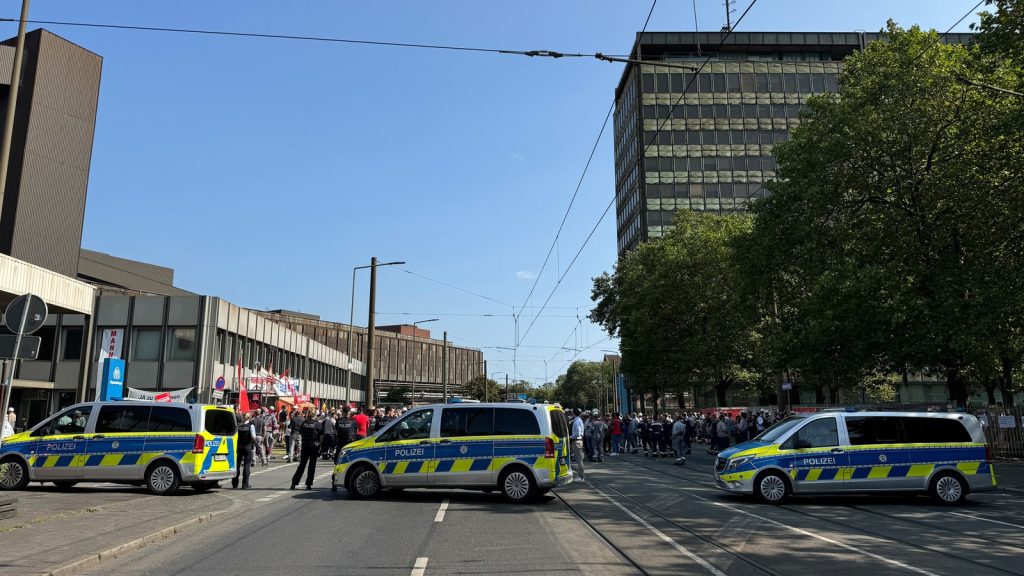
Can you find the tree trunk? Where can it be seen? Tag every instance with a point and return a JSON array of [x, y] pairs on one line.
[[957, 387], [720, 388], [819, 393], [990, 389], [1006, 380]]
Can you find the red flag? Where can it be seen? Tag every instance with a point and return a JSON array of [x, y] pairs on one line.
[[243, 396], [316, 402]]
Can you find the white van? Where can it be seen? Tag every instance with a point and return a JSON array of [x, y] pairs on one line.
[[160, 444], [942, 454], [521, 450]]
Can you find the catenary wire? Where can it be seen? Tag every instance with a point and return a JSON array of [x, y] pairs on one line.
[[307, 38], [640, 158]]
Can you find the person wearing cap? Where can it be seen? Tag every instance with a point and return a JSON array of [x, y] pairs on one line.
[[11, 417], [576, 437]]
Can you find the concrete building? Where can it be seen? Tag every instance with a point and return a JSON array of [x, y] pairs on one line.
[[713, 149]]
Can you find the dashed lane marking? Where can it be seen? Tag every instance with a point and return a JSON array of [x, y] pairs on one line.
[[420, 567], [270, 497], [439, 517]]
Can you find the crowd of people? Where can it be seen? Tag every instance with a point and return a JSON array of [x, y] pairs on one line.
[[595, 435], [305, 435]]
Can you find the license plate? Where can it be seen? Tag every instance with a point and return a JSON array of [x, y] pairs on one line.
[[220, 457]]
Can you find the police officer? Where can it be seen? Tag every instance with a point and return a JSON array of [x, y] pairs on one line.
[[310, 431], [576, 436], [244, 450]]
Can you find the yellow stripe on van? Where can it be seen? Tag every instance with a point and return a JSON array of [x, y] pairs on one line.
[[845, 473], [969, 468], [462, 465], [920, 470], [813, 474], [400, 467], [497, 463], [879, 472], [111, 460], [50, 461]]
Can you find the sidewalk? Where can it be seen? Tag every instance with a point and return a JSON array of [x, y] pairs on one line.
[[56, 528]]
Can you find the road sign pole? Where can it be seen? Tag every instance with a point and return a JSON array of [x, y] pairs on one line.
[[14, 363]]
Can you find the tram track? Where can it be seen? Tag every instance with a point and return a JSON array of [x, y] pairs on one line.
[[618, 550], [862, 530]]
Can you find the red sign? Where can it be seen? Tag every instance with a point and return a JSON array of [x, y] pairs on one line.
[[162, 397], [302, 398]]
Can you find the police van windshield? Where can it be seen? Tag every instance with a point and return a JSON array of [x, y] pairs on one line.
[[772, 434]]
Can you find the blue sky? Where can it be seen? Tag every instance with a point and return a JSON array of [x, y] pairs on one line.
[[263, 170]]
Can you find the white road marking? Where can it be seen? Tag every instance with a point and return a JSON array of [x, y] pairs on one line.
[[826, 539], [987, 520], [420, 567], [439, 517], [679, 547]]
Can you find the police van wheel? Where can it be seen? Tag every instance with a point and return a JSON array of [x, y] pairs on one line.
[[13, 474], [364, 482], [948, 488], [517, 485], [162, 478], [771, 488], [65, 484]]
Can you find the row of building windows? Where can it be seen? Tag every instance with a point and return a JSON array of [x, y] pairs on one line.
[[723, 111], [230, 348], [722, 137], [672, 200], [708, 177], [710, 164], [67, 349], [791, 82], [741, 67]]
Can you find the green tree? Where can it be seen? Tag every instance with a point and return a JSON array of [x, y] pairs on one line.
[[584, 384], [481, 388], [675, 304], [891, 239]]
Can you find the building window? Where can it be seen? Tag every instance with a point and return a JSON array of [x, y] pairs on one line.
[[72, 343], [181, 346], [146, 345], [48, 334]]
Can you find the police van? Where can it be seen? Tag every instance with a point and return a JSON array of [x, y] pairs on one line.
[[160, 444], [522, 450], [941, 454]]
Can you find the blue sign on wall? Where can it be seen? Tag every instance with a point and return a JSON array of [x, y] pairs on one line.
[[112, 385]]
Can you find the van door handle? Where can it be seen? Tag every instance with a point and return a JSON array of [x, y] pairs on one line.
[[98, 436], [425, 442], [78, 437], [445, 441], [838, 450]]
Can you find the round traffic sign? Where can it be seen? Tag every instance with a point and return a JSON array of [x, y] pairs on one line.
[[34, 316], [219, 384]]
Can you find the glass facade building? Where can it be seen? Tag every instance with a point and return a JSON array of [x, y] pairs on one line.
[[702, 141]]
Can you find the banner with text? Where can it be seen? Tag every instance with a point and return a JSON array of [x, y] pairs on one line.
[[166, 396]]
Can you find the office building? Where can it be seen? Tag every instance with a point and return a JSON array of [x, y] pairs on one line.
[[705, 143]]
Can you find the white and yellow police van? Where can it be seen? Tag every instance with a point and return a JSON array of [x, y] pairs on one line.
[[941, 454], [521, 450], [162, 445]]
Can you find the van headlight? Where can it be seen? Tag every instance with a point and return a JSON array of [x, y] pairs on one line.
[[342, 455], [735, 463]]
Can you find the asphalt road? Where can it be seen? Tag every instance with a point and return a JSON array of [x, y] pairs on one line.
[[641, 516]]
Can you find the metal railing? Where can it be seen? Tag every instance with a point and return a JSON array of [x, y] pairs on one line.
[[1004, 430]]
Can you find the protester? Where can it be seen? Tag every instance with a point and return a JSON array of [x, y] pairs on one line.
[[576, 436]]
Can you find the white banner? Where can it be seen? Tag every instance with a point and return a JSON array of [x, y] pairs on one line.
[[1007, 421], [109, 346], [167, 396], [281, 386]]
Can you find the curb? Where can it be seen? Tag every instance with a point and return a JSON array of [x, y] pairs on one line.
[[95, 560]]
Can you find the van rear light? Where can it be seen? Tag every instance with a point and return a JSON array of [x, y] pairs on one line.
[[549, 448], [199, 444]]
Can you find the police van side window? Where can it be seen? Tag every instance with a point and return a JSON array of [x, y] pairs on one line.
[[122, 419], [934, 430], [413, 426], [168, 419], [71, 421], [866, 430], [821, 433], [515, 422], [459, 422]]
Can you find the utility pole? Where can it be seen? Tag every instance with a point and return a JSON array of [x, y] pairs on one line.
[[371, 399], [444, 367], [506, 387], [12, 100], [487, 381]]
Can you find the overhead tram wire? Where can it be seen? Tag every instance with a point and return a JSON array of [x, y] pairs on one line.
[[453, 287], [651, 139], [307, 38], [746, 201], [579, 183]]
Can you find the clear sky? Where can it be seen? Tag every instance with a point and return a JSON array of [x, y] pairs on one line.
[[263, 170]]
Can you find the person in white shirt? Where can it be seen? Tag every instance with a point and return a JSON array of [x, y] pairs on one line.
[[576, 437]]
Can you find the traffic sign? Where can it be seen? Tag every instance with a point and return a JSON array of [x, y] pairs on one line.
[[219, 384], [787, 386], [29, 347], [218, 394], [33, 319]]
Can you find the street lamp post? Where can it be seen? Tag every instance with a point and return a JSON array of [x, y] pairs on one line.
[[413, 378], [351, 319]]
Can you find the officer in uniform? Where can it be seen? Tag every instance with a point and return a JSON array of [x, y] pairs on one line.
[[244, 450], [576, 436], [310, 431]]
